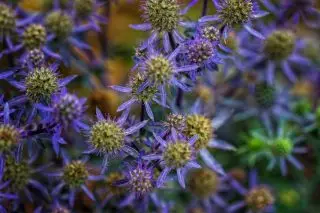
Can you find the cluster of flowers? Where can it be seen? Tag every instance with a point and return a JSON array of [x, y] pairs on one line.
[[190, 78]]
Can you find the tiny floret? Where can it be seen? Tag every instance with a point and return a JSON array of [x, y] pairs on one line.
[[68, 108], [141, 180], [201, 126], [107, 137], [60, 24], [7, 19], [41, 84], [177, 154], [259, 198], [279, 45], [159, 69], [34, 36], [203, 182], [176, 121], [9, 137], [18, 173], [199, 50], [236, 12], [282, 147], [210, 33], [162, 14], [75, 174], [264, 95]]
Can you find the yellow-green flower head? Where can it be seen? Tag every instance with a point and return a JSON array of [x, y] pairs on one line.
[[159, 69], [203, 182], [177, 154], [9, 137], [265, 95], [162, 14], [41, 84], [282, 147], [279, 45], [176, 121], [107, 137], [201, 126], [75, 174], [34, 36], [84, 8], [235, 12], [255, 144], [259, 197], [141, 180], [18, 173], [111, 179], [60, 24], [210, 33], [289, 197], [136, 80], [7, 19]]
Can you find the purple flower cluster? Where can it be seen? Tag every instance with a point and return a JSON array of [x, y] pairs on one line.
[[214, 94]]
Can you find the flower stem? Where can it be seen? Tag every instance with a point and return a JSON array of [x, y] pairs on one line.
[[204, 8]]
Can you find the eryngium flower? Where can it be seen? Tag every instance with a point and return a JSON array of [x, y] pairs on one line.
[[108, 137], [177, 154], [34, 36], [234, 13]]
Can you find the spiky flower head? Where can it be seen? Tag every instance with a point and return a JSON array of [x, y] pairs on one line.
[[199, 125], [18, 173], [41, 84], [60, 24], [136, 80], [107, 137], [84, 8], [9, 137], [75, 174], [34, 36], [199, 50], [35, 57], [176, 121], [235, 12], [259, 197], [203, 182], [159, 69], [279, 45], [162, 14], [177, 154], [265, 95], [7, 19], [282, 147], [255, 144], [68, 108], [209, 33], [110, 181], [141, 180]]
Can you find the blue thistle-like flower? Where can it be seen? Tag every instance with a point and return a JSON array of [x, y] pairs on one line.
[[108, 137], [156, 73], [74, 176], [234, 13], [279, 49], [258, 198], [176, 154]]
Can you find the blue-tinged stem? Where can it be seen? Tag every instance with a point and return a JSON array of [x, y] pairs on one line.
[[204, 8]]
